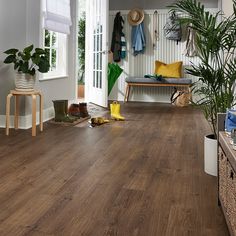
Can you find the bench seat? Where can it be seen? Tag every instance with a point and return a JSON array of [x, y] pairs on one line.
[[152, 82]]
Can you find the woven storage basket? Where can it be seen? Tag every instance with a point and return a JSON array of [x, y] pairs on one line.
[[222, 176], [231, 197]]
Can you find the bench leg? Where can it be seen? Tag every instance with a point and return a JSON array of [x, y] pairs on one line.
[[126, 93]]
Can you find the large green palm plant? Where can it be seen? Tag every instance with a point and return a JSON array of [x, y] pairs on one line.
[[216, 44]]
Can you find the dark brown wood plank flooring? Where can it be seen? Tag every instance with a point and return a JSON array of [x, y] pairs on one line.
[[141, 177]]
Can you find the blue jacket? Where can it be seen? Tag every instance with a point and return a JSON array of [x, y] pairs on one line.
[[138, 39]]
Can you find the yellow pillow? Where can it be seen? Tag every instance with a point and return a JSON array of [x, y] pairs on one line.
[[173, 70]]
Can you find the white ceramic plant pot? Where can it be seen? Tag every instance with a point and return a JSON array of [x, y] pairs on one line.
[[24, 82], [210, 155]]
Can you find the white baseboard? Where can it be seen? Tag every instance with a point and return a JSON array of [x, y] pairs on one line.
[[25, 122]]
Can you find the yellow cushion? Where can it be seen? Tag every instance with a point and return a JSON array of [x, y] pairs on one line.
[[173, 70]]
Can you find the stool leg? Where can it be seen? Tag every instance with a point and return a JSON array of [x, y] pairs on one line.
[[8, 109], [16, 120], [41, 112], [33, 115]]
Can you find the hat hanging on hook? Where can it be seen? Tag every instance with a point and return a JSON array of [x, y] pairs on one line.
[[136, 16]]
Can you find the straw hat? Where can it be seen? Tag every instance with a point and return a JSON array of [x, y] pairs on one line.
[[136, 16]]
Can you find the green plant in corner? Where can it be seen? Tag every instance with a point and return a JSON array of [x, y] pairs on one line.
[[216, 44], [81, 48], [28, 61]]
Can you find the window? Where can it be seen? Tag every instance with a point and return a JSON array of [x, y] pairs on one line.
[[51, 47], [56, 46]]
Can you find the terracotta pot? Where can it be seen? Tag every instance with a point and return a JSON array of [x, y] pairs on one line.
[[24, 82], [80, 91]]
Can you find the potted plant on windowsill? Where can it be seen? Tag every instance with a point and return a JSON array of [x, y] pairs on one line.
[[81, 55], [216, 44], [26, 64]]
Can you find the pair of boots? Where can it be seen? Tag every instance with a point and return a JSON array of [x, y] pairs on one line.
[[61, 112], [115, 111], [79, 110]]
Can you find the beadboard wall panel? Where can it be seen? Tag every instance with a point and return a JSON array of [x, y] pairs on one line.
[[167, 51]]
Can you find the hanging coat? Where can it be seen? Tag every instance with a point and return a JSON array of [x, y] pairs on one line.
[[138, 39], [116, 43]]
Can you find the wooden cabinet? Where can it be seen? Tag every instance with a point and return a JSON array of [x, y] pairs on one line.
[[227, 181]]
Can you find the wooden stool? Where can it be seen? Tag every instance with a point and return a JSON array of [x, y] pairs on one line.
[[17, 95]]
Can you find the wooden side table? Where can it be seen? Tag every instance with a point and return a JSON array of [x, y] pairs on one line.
[[17, 95]]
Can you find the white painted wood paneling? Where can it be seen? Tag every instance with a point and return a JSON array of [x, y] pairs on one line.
[[167, 51]]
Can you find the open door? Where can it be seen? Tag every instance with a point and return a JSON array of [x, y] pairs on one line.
[[97, 52]]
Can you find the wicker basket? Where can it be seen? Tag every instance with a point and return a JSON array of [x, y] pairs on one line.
[[222, 176], [231, 197]]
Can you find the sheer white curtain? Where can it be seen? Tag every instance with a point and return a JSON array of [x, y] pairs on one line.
[[56, 15]]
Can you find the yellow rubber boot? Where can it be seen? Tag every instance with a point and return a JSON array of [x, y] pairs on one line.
[[115, 111]]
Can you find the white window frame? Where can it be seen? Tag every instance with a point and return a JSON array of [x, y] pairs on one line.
[[62, 56]]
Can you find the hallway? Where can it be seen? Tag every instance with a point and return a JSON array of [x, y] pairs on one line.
[[141, 177]]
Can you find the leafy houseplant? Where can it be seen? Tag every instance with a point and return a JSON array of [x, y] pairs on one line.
[[26, 63], [216, 44]]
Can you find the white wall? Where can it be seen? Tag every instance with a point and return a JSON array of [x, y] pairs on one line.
[[19, 27], [63, 88], [152, 4], [12, 34], [227, 7]]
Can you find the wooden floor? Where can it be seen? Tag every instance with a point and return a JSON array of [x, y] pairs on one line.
[[142, 177]]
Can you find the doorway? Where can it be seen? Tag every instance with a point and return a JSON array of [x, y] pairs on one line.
[[96, 52]]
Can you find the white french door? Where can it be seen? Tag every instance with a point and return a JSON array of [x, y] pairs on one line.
[[97, 52]]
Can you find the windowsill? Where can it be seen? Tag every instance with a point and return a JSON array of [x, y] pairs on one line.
[[53, 77]]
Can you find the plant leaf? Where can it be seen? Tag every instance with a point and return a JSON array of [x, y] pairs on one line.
[[40, 51], [10, 59], [43, 65], [11, 51], [28, 49]]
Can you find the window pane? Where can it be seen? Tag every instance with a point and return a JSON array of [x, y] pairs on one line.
[[94, 74], [48, 54], [98, 63], [97, 80], [54, 59], [94, 61], [100, 79], [94, 42], [100, 42], [97, 49], [54, 39], [47, 39]]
